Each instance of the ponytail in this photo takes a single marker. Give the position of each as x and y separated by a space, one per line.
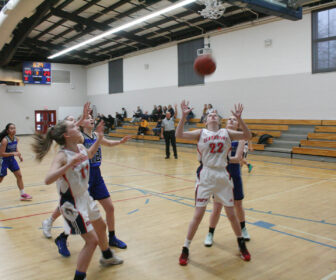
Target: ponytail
42 143
4 133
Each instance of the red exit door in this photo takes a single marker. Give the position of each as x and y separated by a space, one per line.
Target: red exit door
44 119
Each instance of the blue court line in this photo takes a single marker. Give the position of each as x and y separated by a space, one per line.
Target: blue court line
136 210
291 217
6 227
147 200
261 224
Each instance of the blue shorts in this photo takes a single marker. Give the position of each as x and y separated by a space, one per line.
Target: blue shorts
97 187
234 170
238 192
8 162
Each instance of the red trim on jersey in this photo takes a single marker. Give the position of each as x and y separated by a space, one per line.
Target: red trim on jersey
196 194
66 179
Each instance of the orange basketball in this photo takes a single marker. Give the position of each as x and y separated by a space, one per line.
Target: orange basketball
204 65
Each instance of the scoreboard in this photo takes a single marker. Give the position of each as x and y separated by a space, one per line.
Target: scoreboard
37 73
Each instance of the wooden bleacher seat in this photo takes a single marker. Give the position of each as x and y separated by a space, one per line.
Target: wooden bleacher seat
325 129
314 151
283 121
322 136
318 143
268 127
328 122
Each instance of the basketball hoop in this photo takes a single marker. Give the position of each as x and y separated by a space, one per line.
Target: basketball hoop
214 9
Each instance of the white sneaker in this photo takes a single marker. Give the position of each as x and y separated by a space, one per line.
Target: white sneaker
46 226
245 234
208 240
111 261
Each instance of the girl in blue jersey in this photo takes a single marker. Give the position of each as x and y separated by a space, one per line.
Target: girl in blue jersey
235 157
8 152
97 190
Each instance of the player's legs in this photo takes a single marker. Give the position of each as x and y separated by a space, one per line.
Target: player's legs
241 217
214 218
108 258
85 255
193 226
47 223
109 210
19 181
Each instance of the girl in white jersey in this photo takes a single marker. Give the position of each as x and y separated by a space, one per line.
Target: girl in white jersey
70 170
213 179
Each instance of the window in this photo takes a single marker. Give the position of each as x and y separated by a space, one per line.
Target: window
324 40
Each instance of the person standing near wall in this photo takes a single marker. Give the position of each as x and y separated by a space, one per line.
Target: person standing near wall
168 132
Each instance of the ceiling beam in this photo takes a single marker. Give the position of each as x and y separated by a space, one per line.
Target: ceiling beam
22 31
96 25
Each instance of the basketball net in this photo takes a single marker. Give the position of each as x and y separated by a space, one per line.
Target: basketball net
214 9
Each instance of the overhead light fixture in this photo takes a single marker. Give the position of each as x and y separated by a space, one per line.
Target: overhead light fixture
123 27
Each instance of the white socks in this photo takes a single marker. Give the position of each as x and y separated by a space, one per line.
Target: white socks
22 192
187 243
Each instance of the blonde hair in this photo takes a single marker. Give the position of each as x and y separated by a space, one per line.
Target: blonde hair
42 143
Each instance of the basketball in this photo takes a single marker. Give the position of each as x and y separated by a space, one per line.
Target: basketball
204 65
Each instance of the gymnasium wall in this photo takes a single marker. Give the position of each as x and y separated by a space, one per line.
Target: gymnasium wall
271 82
18 108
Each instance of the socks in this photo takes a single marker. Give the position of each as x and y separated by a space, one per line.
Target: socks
242 224
63 235
211 230
22 192
111 234
187 243
79 275
107 254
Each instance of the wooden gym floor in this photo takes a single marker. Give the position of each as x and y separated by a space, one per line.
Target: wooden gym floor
290 214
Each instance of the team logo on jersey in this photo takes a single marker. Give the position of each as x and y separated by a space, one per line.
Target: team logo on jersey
202 199
214 137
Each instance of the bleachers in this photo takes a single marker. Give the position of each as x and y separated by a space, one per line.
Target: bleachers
321 142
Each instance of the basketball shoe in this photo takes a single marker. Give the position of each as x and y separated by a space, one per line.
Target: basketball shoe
184 258
46 226
208 240
114 260
244 253
61 242
114 241
25 197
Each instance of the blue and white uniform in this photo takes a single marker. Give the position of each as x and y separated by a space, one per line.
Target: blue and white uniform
235 172
212 176
97 187
9 162
76 205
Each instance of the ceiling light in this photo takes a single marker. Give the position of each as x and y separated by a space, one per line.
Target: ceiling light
124 26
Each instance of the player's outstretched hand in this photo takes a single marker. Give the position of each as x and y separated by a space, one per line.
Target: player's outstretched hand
125 139
238 110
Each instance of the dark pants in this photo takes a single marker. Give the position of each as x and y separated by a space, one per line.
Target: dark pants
169 136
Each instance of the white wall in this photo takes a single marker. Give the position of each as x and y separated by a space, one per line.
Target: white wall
273 82
18 108
97 80
151 70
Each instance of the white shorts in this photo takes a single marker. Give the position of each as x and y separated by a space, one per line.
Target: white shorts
214 182
78 216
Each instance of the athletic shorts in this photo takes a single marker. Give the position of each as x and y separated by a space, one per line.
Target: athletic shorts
97 187
79 212
216 183
10 163
238 192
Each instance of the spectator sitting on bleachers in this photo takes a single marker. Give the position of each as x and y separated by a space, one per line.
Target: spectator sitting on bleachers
164 111
124 113
204 113
171 111
191 115
109 122
154 115
137 115
145 116
143 127
160 112
157 129
118 120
